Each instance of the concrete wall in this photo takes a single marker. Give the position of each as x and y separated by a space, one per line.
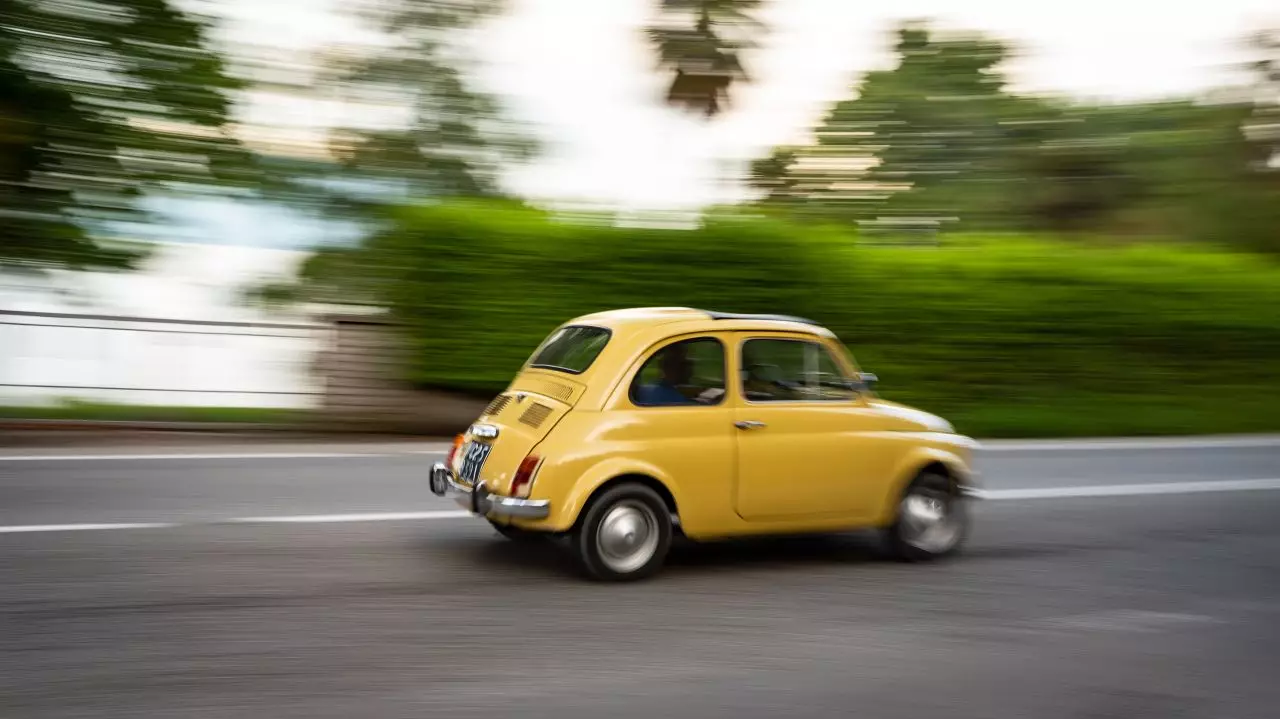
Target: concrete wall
361 371
347 371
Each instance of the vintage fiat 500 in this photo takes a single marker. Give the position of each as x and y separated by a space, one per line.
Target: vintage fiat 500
626 426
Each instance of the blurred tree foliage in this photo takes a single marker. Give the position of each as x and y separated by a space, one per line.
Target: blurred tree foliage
1263 127
438 137
1251 210
100 102
432 134
774 176
699 42
940 139
930 123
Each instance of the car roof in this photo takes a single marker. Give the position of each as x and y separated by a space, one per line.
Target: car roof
641 317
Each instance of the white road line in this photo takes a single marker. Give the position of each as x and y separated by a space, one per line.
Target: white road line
83 527
1131 490
1093 445
365 517
1105 490
266 455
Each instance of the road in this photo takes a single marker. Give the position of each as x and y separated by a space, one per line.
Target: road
1103 580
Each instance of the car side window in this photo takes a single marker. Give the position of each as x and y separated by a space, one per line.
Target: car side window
780 370
689 372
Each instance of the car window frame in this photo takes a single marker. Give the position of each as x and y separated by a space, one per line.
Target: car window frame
740 386
654 349
608 335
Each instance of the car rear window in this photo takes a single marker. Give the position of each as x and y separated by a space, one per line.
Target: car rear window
571 349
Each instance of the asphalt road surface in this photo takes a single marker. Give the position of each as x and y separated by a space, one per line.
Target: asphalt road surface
1103 580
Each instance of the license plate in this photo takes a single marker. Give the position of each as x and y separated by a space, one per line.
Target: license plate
472 461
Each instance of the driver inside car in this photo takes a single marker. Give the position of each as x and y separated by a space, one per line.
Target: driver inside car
676 370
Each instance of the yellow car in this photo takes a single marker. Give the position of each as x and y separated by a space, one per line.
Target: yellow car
627 426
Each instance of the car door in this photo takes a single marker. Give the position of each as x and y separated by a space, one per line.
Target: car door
806 442
676 418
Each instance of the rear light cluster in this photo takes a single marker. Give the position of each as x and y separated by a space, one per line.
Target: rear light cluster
524 476
523 480
453 451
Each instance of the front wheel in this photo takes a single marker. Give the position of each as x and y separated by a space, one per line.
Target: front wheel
932 521
624 535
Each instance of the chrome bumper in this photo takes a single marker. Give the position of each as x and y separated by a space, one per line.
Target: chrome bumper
481 501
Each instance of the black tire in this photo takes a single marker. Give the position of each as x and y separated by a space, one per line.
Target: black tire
516 534
904 539
623 506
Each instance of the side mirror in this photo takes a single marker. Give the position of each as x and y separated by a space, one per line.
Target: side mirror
863 382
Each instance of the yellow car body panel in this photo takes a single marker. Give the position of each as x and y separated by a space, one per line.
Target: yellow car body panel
810 465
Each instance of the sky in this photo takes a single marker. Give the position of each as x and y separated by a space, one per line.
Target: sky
580 71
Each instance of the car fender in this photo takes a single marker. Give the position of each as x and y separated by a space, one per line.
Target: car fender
591 480
909 467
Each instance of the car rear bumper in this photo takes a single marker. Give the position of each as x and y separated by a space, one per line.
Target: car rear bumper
483 502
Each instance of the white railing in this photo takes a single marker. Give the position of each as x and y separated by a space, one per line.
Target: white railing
46 357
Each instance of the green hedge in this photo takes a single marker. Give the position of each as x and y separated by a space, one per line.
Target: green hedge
1005 336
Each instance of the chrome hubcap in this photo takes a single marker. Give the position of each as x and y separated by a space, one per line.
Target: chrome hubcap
930 520
627 537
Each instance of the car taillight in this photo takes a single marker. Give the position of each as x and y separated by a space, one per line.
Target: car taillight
453 451
524 476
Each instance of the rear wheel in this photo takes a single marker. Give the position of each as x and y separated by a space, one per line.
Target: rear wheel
932 521
624 534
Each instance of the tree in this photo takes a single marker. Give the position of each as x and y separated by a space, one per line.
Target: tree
939 138
774 176
1263 126
1245 209
447 140
699 42
444 140
928 129
100 103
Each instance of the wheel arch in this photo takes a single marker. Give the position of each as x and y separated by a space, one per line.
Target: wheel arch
609 474
639 478
917 462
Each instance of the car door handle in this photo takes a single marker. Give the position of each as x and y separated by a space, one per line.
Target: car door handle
748 424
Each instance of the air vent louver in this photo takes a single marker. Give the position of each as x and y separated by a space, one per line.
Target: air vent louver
535 415
559 391
498 404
